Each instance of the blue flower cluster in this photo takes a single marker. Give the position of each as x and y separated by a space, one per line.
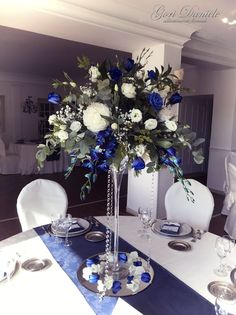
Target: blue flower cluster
103 151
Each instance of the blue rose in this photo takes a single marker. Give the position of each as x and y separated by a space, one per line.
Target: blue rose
145 277
137 263
152 75
138 164
91 261
116 287
129 64
171 151
129 279
175 98
155 100
93 278
54 98
103 166
122 257
115 73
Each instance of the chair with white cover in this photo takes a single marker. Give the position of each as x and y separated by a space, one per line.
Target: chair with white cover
9 162
39 201
229 207
197 214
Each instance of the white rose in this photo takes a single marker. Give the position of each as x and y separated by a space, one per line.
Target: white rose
114 126
51 119
92 117
94 73
128 90
150 124
62 135
140 149
75 126
171 125
136 115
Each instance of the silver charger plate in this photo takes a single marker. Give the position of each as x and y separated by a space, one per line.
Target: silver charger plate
95 236
184 230
216 288
36 264
124 290
84 224
180 246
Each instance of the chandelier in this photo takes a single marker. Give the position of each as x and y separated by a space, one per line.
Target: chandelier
29 106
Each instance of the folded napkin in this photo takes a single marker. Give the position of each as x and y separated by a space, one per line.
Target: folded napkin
61 227
76 227
170 227
7 266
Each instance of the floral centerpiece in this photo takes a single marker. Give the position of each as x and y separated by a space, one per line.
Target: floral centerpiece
123 111
121 116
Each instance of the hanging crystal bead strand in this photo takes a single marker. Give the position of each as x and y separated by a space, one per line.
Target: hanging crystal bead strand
152 207
108 228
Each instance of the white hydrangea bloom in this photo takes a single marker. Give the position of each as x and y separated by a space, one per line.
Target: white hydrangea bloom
51 119
62 135
94 73
97 268
92 117
128 90
150 124
136 115
171 125
63 127
136 270
108 282
100 286
75 126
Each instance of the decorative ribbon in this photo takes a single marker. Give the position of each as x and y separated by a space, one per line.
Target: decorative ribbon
167 295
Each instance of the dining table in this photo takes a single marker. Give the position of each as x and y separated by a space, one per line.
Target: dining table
179 286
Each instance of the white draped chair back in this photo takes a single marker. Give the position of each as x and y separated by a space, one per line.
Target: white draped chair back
38 201
198 213
230 182
9 162
229 207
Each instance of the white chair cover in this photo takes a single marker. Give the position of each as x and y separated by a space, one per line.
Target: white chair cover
9 162
39 201
2 148
230 183
179 209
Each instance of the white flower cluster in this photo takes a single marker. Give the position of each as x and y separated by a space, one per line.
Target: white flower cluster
135 271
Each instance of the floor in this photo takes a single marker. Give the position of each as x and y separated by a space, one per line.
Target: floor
95 203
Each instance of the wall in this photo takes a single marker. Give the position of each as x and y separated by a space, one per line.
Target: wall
16 87
220 83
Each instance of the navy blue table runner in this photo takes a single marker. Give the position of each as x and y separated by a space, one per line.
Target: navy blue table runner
167 295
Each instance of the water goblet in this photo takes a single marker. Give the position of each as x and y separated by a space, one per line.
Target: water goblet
224 306
56 223
222 247
67 225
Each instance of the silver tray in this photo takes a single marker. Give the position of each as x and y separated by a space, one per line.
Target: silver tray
184 230
180 245
217 288
86 225
36 264
124 291
95 236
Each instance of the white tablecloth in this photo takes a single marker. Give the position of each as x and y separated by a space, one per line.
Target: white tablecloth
28 163
52 292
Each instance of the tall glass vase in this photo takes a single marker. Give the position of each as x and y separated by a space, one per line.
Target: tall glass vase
117 270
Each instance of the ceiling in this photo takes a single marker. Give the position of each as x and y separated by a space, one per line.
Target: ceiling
119 24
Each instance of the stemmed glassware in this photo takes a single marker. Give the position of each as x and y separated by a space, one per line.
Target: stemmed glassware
56 222
222 247
67 224
224 306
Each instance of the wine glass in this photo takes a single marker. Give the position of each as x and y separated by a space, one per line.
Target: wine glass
229 249
67 225
225 306
56 223
222 247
